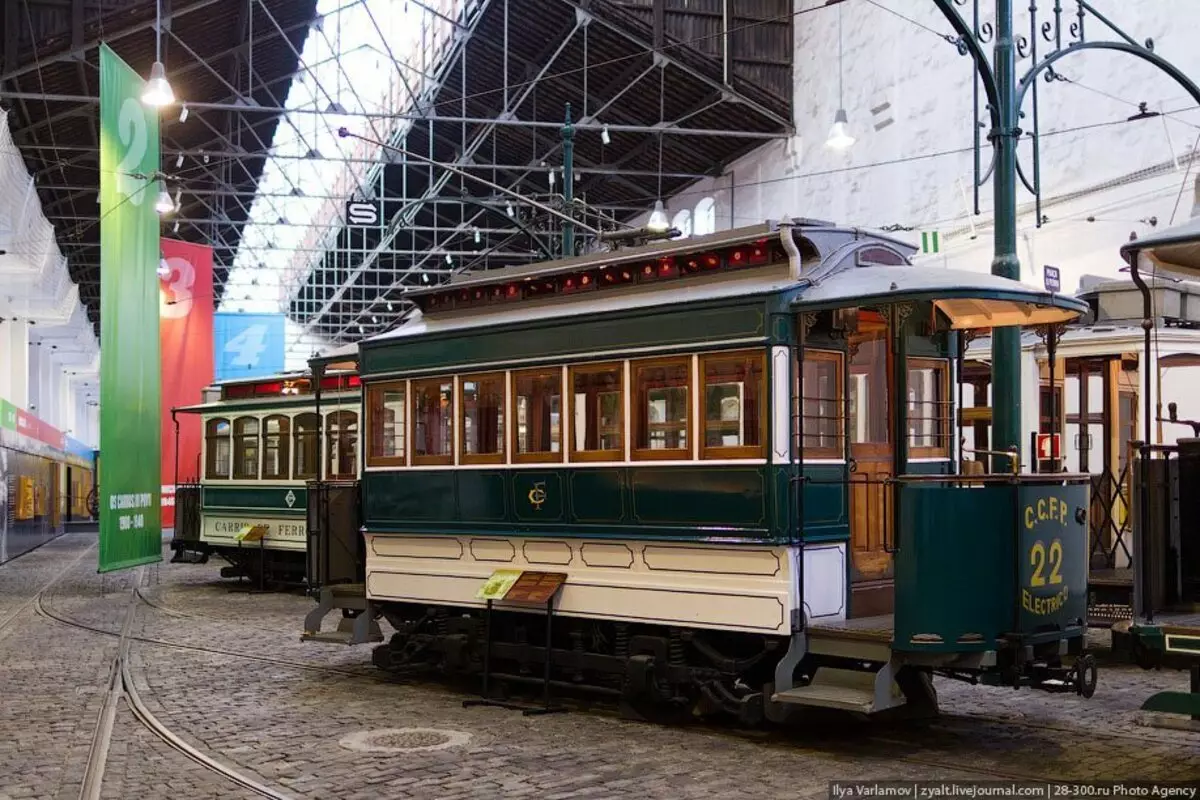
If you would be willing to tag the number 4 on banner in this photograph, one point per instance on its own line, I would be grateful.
(248, 345)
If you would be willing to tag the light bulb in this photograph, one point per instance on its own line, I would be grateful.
(478, 238)
(425, 277)
(179, 161)
(658, 219)
(604, 137)
(508, 209)
(183, 113)
(449, 259)
(158, 90)
(163, 205)
(389, 305)
(551, 179)
(839, 134)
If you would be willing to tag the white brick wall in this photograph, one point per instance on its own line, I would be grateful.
(920, 83)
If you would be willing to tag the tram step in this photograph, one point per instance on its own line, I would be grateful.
(847, 690)
(1174, 703)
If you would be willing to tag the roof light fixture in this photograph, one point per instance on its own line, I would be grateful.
(478, 237)
(508, 209)
(839, 134)
(179, 161)
(658, 218)
(183, 113)
(449, 259)
(389, 305)
(163, 205)
(604, 137)
(158, 91)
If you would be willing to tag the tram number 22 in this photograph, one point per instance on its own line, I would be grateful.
(1040, 558)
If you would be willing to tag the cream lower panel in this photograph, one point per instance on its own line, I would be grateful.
(825, 581)
(283, 533)
(747, 588)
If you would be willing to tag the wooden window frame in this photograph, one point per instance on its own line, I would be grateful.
(238, 443)
(460, 393)
(838, 358)
(548, 457)
(414, 391)
(327, 432)
(617, 454)
(369, 459)
(734, 451)
(942, 450)
(648, 454)
(285, 444)
(315, 433)
(210, 453)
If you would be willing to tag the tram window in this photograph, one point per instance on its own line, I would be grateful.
(661, 409)
(483, 418)
(733, 405)
(218, 448)
(305, 433)
(385, 419)
(822, 391)
(597, 413)
(537, 401)
(245, 448)
(869, 410)
(433, 421)
(928, 407)
(341, 442)
(276, 430)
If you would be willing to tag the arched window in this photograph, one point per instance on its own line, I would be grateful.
(705, 219)
(276, 441)
(217, 448)
(304, 434)
(245, 448)
(341, 442)
(683, 222)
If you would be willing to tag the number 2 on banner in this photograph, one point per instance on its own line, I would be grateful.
(248, 345)
(135, 138)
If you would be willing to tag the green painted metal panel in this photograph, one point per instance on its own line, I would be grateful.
(598, 496)
(481, 495)
(265, 498)
(1053, 556)
(645, 328)
(826, 503)
(1174, 703)
(404, 497)
(954, 570)
(704, 496)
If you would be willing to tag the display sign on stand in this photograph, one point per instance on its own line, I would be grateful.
(522, 588)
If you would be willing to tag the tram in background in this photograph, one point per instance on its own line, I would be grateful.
(260, 452)
(739, 454)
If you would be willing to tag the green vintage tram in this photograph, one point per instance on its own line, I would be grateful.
(739, 453)
(261, 449)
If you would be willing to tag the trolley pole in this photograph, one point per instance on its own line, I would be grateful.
(568, 140)
(1006, 342)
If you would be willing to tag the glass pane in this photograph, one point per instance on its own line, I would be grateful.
(306, 446)
(599, 408)
(732, 392)
(386, 412)
(539, 400)
(662, 407)
(822, 411)
(433, 418)
(926, 406)
(342, 443)
(483, 415)
(221, 457)
(275, 447)
(868, 393)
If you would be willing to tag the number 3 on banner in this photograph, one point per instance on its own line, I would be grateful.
(135, 138)
(248, 345)
(179, 288)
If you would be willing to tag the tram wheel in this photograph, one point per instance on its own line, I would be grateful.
(1086, 675)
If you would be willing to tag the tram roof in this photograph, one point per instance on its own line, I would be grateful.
(1176, 249)
(968, 299)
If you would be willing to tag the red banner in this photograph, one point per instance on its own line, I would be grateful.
(186, 332)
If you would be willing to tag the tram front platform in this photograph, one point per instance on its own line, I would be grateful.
(223, 671)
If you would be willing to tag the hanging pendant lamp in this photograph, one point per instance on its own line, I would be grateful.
(158, 90)
(839, 134)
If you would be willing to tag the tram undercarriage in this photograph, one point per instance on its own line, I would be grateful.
(660, 673)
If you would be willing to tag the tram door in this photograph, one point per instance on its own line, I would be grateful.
(871, 567)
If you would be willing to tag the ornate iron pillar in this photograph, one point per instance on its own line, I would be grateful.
(1006, 342)
(568, 140)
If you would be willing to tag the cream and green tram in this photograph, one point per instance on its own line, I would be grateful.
(264, 441)
(731, 466)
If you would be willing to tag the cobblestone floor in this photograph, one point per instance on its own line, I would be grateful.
(276, 709)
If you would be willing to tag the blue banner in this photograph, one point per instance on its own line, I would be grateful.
(248, 345)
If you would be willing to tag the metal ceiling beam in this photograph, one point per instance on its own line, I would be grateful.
(458, 120)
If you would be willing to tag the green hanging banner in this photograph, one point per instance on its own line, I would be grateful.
(130, 372)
